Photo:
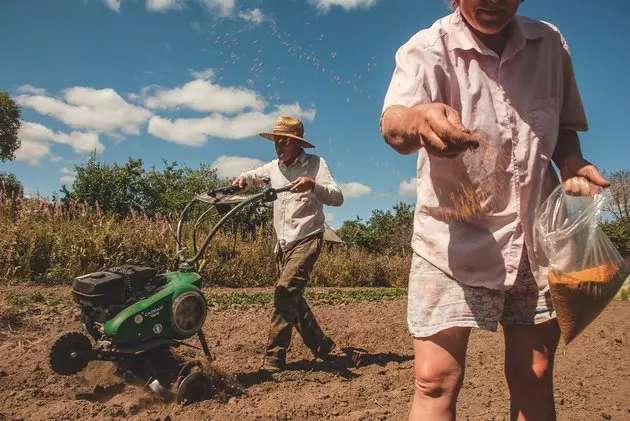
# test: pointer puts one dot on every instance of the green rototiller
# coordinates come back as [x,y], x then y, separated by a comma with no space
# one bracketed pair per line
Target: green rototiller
[132,313]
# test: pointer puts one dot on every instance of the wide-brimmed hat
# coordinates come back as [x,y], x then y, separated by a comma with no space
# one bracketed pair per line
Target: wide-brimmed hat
[291,128]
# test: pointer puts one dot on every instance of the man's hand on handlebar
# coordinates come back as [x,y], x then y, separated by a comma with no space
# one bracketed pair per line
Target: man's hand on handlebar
[240,182]
[303,184]
[300,185]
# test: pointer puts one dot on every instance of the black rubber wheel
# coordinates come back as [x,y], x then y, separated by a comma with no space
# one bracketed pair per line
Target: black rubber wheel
[194,388]
[69,353]
[186,369]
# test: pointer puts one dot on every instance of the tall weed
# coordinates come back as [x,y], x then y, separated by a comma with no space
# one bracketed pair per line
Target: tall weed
[46,243]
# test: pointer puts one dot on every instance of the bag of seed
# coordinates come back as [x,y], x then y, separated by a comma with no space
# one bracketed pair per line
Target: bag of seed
[586,270]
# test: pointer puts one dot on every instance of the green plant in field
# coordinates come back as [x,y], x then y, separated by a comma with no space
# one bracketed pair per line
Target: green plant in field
[625,294]
[244,300]
[336,297]
[22,302]
[237,301]
[19,300]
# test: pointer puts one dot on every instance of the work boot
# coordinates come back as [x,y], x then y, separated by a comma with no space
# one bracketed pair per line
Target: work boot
[327,349]
[272,364]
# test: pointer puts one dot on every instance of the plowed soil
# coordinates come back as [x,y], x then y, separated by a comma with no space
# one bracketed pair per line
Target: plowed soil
[592,381]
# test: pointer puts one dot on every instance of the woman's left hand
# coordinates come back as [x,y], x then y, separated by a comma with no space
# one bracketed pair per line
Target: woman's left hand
[581,178]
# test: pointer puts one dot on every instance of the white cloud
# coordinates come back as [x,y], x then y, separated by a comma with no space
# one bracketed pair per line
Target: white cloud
[255,16]
[325,5]
[101,110]
[144,93]
[30,89]
[202,95]
[36,140]
[232,166]
[407,188]
[164,5]
[296,111]
[224,7]
[32,152]
[67,179]
[330,217]
[195,131]
[55,159]
[113,4]
[353,189]
[79,141]
[381,195]
[205,74]
[68,176]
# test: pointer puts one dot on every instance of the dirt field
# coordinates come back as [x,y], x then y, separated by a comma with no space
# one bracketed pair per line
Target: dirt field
[592,381]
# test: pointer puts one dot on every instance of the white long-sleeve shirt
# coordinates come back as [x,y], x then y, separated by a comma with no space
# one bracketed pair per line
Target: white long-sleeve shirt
[297,215]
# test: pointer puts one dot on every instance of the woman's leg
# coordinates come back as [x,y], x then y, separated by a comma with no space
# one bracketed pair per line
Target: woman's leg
[531,338]
[439,373]
[440,314]
[529,357]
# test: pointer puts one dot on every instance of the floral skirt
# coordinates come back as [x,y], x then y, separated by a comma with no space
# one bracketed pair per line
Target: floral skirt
[437,301]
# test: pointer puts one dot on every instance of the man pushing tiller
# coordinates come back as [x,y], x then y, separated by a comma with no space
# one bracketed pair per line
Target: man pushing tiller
[298,219]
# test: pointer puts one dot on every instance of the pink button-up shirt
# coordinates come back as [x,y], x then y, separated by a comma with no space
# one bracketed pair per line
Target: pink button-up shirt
[518,102]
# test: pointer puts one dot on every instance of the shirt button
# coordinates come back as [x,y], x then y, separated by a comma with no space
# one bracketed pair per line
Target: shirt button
[510,269]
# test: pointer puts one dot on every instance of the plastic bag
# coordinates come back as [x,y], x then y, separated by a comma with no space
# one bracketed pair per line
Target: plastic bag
[586,270]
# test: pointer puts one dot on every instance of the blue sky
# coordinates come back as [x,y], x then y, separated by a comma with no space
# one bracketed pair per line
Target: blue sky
[192,80]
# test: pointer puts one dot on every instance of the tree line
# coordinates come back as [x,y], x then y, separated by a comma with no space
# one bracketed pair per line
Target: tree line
[121,189]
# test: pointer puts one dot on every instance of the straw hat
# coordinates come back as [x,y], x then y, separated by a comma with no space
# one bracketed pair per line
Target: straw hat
[291,128]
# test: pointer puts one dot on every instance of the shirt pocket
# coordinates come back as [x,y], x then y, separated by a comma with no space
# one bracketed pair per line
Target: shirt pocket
[544,120]
[302,197]
[300,205]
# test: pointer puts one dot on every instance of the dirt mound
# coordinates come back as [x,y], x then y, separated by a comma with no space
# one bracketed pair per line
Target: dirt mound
[591,378]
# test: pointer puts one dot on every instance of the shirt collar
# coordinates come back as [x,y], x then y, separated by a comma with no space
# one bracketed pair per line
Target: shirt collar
[300,159]
[461,37]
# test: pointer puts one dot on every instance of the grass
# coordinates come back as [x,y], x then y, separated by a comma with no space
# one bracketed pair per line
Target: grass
[37,302]
[20,303]
[243,301]
[342,297]
[237,301]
